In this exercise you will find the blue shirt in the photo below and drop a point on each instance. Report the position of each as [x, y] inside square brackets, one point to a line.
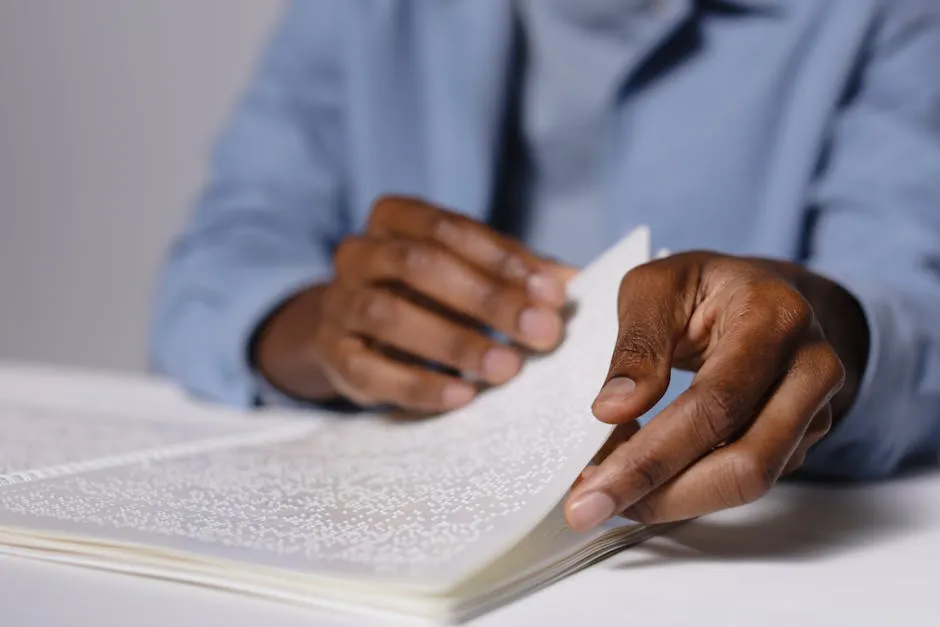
[806, 130]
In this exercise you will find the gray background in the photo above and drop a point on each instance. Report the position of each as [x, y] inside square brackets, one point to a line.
[107, 111]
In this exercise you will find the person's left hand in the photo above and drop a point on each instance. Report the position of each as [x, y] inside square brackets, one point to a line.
[765, 389]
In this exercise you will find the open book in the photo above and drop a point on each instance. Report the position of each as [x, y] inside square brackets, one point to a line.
[441, 518]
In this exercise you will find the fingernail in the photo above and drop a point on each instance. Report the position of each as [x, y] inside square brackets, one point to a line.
[457, 395]
[615, 390]
[546, 288]
[500, 364]
[590, 510]
[540, 327]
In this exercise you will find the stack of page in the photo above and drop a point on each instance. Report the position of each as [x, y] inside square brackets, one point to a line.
[442, 518]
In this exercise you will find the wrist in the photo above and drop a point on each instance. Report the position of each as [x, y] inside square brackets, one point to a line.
[843, 322]
[282, 349]
[846, 328]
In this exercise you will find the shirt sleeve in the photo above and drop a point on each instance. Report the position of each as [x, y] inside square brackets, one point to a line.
[876, 230]
[269, 216]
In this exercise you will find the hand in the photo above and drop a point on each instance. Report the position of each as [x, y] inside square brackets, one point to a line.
[416, 290]
[771, 344]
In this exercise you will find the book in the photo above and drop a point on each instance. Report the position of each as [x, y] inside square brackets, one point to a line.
[439, 519]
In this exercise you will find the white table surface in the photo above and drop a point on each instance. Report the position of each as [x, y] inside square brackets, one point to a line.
[854, 556]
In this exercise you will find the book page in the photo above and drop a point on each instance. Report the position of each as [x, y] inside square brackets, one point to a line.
[60, 427]
[419, 504]
[318, 504]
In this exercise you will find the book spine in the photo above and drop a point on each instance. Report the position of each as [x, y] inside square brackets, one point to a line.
[199, 447]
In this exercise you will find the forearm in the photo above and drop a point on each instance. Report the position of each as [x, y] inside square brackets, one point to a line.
[212, 299]
[271, 211]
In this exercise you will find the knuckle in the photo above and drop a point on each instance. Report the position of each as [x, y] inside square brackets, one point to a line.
[492, 301]
[818, 427]
[717, 413]
[816, 432]
[354, 367]
[794, 314]
[698, 257]
[382, 209]
[345, 255]
[639, 275]
[821, 425]
[646, 474]
[447, 229]
[382, 310]
[460, 349]
[419, 392]
[752, 311]
[374, 310]
[489, 299]
[510, 265]
[748, 479]
[457, 232]
[829, 368]
[417, 258]
[636, 350]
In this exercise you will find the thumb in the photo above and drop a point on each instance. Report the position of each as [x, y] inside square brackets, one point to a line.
[654, 308]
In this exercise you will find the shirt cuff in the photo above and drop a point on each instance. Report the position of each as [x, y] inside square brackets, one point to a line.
[270, 396]
[871, 440]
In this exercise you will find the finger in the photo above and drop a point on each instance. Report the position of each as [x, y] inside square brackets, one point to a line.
[723, 398]
[654, 306]
[745, 469]
[497, 255]
[585, 474]
[393, 320]
[620, 434]
[370, 378]
[818, 428]
[441, 276]
[564, 272]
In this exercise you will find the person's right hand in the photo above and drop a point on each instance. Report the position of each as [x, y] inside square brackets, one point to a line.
[417, 289]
